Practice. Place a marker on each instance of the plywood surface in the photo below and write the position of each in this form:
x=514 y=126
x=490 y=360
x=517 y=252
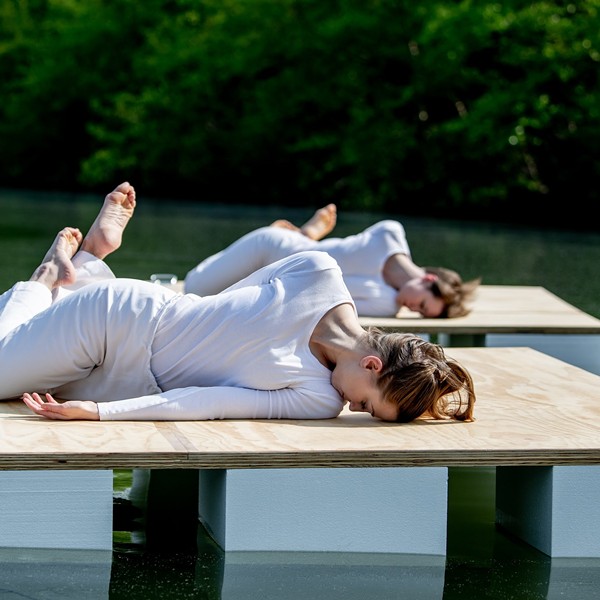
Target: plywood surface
x=501 y=309
x=532 y=409
x=496 y=309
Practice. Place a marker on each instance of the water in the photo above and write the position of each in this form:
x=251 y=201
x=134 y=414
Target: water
x=482 y=562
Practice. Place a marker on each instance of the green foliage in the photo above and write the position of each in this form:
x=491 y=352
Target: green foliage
x=522 y=83
x=442 y=108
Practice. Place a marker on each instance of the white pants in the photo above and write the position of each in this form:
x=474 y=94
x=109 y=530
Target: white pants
x=246 y=255
x=361 y=258
x=93 y=343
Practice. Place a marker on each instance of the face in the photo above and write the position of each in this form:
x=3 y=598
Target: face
x=416 y=295
x=357 y=385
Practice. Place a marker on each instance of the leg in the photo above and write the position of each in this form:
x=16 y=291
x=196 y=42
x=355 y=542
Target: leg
x=63 y=348
x=62 y=342
x=103 y=238
x=555 y=509
x=246 y=255
x=298 y=510
x=57 y=509
x=26 y=299
x=63 y=268
x=86 y=346
x=256 y=250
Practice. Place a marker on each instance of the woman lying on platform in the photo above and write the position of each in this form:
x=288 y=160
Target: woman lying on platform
x=284 y=342
x=376 y=264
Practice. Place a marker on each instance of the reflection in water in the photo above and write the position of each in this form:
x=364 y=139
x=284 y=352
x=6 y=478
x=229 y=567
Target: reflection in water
x=161 y=552
x=331 y=576
x=49 y=574
x=167 y=575
x=482 y=562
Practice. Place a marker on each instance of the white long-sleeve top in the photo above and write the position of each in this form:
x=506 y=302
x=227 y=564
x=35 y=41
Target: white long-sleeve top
x=144 y=352
x=244 y=353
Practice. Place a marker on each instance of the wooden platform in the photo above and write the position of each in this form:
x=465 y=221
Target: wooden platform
x=497 y=309
x=531 y=410
x=501 y=309
x=282 y=486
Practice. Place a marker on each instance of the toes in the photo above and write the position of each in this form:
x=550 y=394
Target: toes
x=123 y=189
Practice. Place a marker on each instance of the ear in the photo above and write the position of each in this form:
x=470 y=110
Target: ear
x=372 y=363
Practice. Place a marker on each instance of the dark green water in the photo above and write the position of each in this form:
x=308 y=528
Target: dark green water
x=167 y=236
x=482 y=562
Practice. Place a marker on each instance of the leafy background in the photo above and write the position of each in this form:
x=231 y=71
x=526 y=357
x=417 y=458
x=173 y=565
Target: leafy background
x=470 y=109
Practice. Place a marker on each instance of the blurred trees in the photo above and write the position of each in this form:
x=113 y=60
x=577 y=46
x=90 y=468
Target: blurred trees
x=459 y=108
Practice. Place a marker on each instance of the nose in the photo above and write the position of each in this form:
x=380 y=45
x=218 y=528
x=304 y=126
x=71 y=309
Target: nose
x=416 y=307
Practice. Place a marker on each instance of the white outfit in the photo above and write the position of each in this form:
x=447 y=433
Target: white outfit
x=145 y=352
x=361 y=258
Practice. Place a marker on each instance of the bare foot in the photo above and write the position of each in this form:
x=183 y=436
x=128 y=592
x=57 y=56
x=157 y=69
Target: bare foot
x=285 y=224
x=106 y=233
x=57 y=269
x=321 y=223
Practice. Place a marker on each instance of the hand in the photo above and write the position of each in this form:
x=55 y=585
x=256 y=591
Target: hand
x=63 y=411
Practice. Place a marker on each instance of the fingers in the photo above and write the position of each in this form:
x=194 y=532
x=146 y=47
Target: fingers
x=50 y=408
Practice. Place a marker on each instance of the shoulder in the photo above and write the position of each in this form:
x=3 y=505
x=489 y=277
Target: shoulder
x=321 y=401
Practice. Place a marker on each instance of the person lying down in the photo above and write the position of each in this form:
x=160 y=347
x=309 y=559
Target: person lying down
x=376 y=263
x=283 y=343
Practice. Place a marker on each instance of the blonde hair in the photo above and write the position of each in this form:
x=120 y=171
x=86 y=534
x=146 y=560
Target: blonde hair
x=420 y=379
x=455 y=293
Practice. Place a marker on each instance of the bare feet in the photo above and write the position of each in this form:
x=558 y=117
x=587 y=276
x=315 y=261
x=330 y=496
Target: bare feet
x=285 y=224
x=106 y=233
x=321 y=223
x=57 y=269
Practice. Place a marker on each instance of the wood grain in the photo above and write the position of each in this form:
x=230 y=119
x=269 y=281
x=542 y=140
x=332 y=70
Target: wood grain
x=496 y=309
x=500 y=309
x=532 y=409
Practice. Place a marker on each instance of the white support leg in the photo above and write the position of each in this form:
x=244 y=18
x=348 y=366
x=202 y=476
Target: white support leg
x=383 y=510
x=56 y=509
x=555 y=509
